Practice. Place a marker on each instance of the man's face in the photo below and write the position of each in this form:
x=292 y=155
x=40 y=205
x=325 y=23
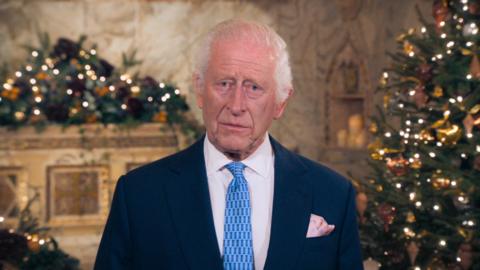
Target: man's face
x=238 y=96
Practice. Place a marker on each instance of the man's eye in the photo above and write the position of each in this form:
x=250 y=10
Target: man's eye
x=254 y=87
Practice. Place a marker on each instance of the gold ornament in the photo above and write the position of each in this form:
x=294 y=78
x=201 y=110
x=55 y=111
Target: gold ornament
x=160 y=117
x=379 y=188
x=475 y=67
x=440 y=181
x=438 y=91
x=426 y=135
x=407 y=47
x=416 y=164
x=411 y=217
x=397 y=166
x=449 y=135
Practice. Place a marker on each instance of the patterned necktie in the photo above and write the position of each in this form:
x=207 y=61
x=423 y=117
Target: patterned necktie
x=237 y=242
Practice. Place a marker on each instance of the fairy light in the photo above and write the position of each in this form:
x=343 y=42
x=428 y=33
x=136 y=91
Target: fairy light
x=401 y=133
x=56 y=71
x=400 y=105
x=164 y=99
x=44 y=67
x=388 y=134
x=7 y=86
x=470 y=223
x=381 y=152
x=94 y=77
x=35 y=88
x=418 y=204
x=416 y=155
x=102 y=79
x=90 y=72
x=41 y=241
x=453 y=183
x=38 y=99
x=34 y=53
x=464 y=1
x=412 y=196
x=36 y=111
x=80 y=76
x=111 y=88
x=2 y=219
x=177 y=92
x=465 y=8
x=449 y=51
x=442 y=23
x=162 y=85
x=18 y=74
x=129 y=81
x=442 y=243
x=461 y=198
x=33 y=81
x=28 y=68
x=135 y=89
x=412 y=93
x=439 y=144
x=416 y=136
x=405 y=141
x=436 y=207
x=398 y=185
x=411 y=54
x=408 y=122
x=434 y=59
x=417 y=268
x=450 y=44
x=87 y=67
x=69 y=91
x=469 y=135
x=150 y=99
x=459 y=259
x=439 y=56
x=432 y=154
x=123 y=77
x=443 y=35
x=123 y=106
x=478 y=148
x=452 y=100
x=93 y=52
x=85 y=104
x=469 y=76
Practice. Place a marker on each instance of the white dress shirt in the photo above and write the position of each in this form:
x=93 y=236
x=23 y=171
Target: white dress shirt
x=259 y=173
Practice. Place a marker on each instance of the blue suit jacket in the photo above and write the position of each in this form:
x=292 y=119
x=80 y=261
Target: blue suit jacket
x=161 y=217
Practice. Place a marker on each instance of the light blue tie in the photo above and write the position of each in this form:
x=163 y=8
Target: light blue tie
x=237 y=240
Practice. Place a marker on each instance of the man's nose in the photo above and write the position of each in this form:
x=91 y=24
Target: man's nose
x=237 y=102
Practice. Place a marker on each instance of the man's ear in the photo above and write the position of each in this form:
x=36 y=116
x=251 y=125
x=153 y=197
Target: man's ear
x=198 y=88
x=280 y=107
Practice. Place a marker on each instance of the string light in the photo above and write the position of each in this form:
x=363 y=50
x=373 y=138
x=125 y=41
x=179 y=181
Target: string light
x=442 y=243
x=44 y=67
x=453 y=183
x=56 y=71
x=162 y=85
x=111 y=88
x=423 y=29
x=2 y=219
x=28 y=68
x=469 y=135
x=412 y=93
x=431 y=154
x=418 y=204
x=443 y=35
x=412 y=196
x=436 y=207
x=442 y=24
x=93 y=52
x=18 y=74
x=469 y=43
x=452 y=100
x=177 y=92
x=38 y=99
x=450 y=44
x=34 y=53
x=33 y=81
x=388 y=134
x=102 y=79
x=398 y=185
x=123 y=106
x=135 y=89
x=465 y=8
x=85 y=104
x=69 y=91
x=150 y=99
x=469 y=76
x=80 y=76
x=36 y=111
x=87 y=67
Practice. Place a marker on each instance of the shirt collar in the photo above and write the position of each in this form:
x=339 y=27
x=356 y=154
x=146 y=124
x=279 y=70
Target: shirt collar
x=259 y=161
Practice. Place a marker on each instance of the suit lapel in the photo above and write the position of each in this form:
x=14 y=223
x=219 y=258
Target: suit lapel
x=189 y=200
x=292 y=203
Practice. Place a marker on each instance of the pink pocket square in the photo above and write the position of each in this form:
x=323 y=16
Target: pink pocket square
x=318 y=226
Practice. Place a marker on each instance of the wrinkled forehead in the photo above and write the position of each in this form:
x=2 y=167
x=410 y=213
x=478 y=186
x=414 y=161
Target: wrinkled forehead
x=244 y=44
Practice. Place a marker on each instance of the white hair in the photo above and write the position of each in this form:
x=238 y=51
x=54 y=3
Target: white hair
x=263 y=34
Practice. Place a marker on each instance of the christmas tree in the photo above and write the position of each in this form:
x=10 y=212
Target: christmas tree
x=424 y=192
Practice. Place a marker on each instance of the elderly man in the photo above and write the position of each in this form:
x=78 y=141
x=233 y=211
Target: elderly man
x=236 y=199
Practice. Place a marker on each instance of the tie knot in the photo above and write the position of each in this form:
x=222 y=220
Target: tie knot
x=236 y=168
